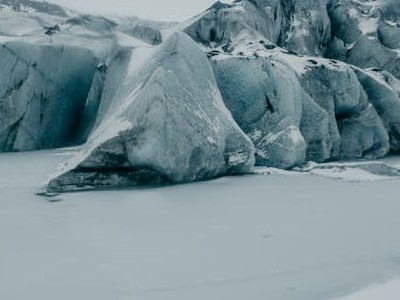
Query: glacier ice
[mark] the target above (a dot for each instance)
(351, 121)
(43, 90)
(288, 82)
(168, 124)
(255, 91)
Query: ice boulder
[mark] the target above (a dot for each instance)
(335, 88)
(385, 98)
(255, 91)
(363, 135)
(282, 148)
(355, 128)
(167, 124)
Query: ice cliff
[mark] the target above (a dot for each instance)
(268, 82)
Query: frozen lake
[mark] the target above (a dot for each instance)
(257, 237)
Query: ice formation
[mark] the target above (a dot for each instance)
(285, 82)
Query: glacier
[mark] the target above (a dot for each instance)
(286, 83)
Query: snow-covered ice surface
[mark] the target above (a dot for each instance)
(362, 171)
(255, 237)
(356, 171)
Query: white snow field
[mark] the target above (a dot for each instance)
(256, 237)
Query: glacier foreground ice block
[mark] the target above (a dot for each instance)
(167, 123)
(267, 111)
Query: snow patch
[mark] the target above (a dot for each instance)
(367, 24)
(367, 171)
(273, 171)
(353, 171)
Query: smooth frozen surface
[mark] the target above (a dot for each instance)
(388, 291)
(255, 237)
